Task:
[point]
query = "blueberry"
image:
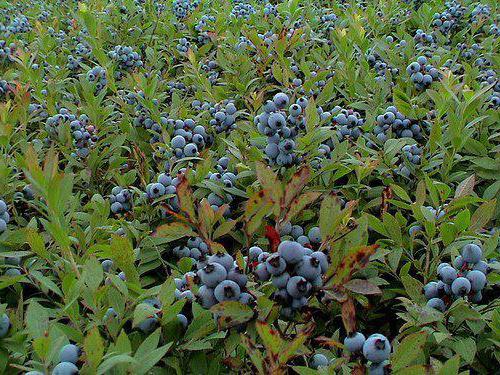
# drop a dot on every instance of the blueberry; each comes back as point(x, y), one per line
point(298, 287)
point(148, 324)
point(224, 259)
point(471, 253)
point(476, 297)
point(378, 368)
point(314, 235)
point(4, 325)
point(309, 268)
point(291, 251)
point(206, 297)
point(354, 342)
point(461, 286)
point(482, 266)
point(318, 360)
point(431, 290)
point(376, 348)
point(322, 258)
point(477, 280)
point(246, 298)
point(458, 262)
point(261, 272)
point(281, 100)
point(238, 276)
point(253, 253)
point(110, 313)
point(69, 353)
point(280, 281)
point(275, 264)
point(182, 320)
point(65, 368)
point(227, 290)
point(212, 274)
point(447, 274)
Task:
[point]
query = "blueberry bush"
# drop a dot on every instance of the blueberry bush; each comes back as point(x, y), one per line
point(249, 186)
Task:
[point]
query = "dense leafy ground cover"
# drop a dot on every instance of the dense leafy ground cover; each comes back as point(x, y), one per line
point(219, 186)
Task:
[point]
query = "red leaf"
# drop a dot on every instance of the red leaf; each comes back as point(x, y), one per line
point(273, 237)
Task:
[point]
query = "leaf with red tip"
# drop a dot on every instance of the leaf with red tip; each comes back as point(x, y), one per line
point(349, 315)
point(273, 237)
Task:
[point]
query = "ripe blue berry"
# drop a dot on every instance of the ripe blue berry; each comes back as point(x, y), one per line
point(471, 253)
point(291, 251)
point(354, 342)
point(227, 290)
point(65, 368)
point(4, 325)
point(477, 280)
point(376, 348)
point(318, 360)
point(212, 274)
point(69, 353)
point(298, 287)
point(461, 286)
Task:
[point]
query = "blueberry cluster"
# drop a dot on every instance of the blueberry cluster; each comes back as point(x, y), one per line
point(126, 59)
point(298, 233)
point(5, 89)
point(380, 66)
point(7, 52)
point(489, 76)
point(18, 25)
point(411, 155)
point(182, 8)
point(279, 129)
point(395, 123)
point(211, 69)
point(422, 74)
point(68, 358)
point(38, 111)
point(84, 135)
point(188, 138)
point(294, 270)
point(376, 349)
point(224, 117)
point(466, 277)
point(183, 46)
point(217, 200)
point(468, 53)
point(195, 249)
point(97, 75)
point(423, 39)
point(480, 13)
point(242, 10)
point(144, 119)
point(244, 43)
point(220, 280)
point(448, 20)
point(201, 28)
point(348, 123)
point(270, 9)
point(164, 187)
point(121, 200)
point(328, 21)
point(73, 62)
point(4, 216)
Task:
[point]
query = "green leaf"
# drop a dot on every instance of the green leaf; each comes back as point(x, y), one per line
point(122, 254)
point(466, 348)
point(409, 351)
point(94, 348)
point(483, 215)
point(231, 313)
point(451, 366)
point(111, 362)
